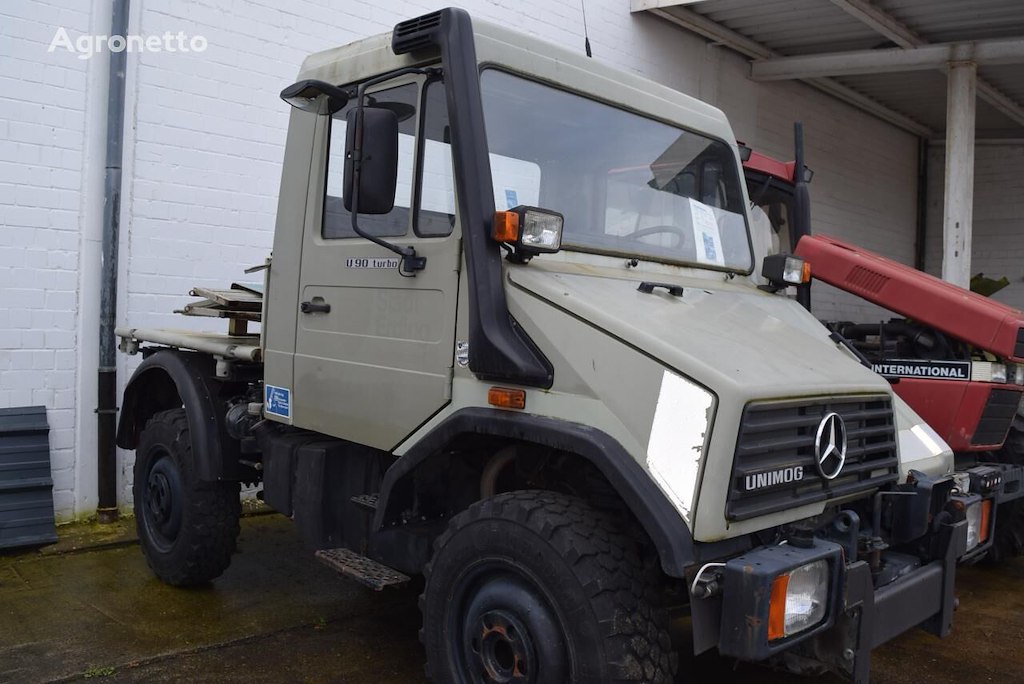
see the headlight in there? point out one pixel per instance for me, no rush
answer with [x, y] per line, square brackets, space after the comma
[530, 229]
[973, 525]
[979, 515]
[784, 269]
[542, 231]
[990, 371]
[776, 596]
[998, 372]
[1018, 374]
[799, 600]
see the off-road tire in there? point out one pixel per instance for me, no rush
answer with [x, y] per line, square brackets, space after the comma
[1009, 532]
[562, 570]
[188, 529]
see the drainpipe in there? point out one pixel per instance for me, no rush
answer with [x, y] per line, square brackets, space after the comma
[921, 236]
[106, 411]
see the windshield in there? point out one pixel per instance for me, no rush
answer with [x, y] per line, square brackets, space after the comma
[625, 184]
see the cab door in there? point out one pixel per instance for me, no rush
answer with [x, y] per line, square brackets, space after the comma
[374, 346]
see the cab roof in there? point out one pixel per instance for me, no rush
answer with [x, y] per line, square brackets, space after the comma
[526, 55]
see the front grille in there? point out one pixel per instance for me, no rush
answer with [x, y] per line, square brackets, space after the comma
[776, 441]
[1018, 349]
[995, 421]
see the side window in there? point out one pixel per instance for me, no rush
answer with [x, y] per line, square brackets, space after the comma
[338, 222]
[436, 216]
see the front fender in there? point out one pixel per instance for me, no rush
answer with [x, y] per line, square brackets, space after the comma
[170, 379]
[656, 514]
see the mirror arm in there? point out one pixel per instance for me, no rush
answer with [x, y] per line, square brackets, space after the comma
[410, 262]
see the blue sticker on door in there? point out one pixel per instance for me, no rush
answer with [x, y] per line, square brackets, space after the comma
[279, 401]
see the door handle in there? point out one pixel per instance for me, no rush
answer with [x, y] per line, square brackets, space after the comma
[316, 306]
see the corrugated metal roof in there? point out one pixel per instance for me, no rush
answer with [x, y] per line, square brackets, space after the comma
[791, 27]
[26, 489]
[808, 27]
[1009, 78]
[921, 95]
[947, 21]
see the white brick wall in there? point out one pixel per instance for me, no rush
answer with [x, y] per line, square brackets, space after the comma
[204, 139]
[998, 216]
[42, 133]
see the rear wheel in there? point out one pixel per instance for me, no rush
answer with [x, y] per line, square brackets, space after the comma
[187, 528]
[535, 586]
[1009, 532]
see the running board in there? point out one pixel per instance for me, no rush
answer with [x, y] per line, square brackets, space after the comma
[367, 502]
[366, 571]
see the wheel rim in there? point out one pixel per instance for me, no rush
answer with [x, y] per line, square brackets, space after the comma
[504, 629]
[163, 496]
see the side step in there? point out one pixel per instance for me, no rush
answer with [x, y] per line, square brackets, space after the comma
[366, 571]
[366, 501]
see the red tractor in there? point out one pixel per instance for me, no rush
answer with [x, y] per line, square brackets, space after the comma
[956, 357]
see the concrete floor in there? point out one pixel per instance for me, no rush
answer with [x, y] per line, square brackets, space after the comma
[278, 615]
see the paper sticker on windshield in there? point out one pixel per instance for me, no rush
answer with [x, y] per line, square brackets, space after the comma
[706, 236]
[515, 182]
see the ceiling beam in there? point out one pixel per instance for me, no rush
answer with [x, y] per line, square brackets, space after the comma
[862, 101]
[858, 62]
[881, 22]
[899, 33]
[719, 34]
[700, 24]
[995, 97]
[641, 5]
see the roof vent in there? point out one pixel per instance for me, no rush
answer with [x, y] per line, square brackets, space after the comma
[416, 34]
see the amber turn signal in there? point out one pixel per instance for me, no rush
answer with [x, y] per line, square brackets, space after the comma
[777, 608]
[506, 226]
[506, 397]
[986, 520]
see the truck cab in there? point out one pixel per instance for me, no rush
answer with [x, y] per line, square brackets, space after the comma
[512, 341]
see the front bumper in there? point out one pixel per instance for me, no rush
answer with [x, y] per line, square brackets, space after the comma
[859, 615]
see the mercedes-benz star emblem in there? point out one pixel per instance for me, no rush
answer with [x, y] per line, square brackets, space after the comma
[830, 446]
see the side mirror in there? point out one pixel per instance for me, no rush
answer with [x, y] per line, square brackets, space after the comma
[315, 96]
[371, 152]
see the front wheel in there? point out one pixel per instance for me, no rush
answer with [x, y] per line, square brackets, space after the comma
[187, 528]
[534, 586]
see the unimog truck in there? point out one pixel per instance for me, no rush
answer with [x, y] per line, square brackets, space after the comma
[510, 341]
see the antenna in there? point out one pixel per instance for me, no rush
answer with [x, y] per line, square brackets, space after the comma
[586, 36]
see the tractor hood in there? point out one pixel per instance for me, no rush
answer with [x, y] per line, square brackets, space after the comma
[729, 338]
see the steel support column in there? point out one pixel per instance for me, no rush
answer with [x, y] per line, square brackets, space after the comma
[958, 202]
